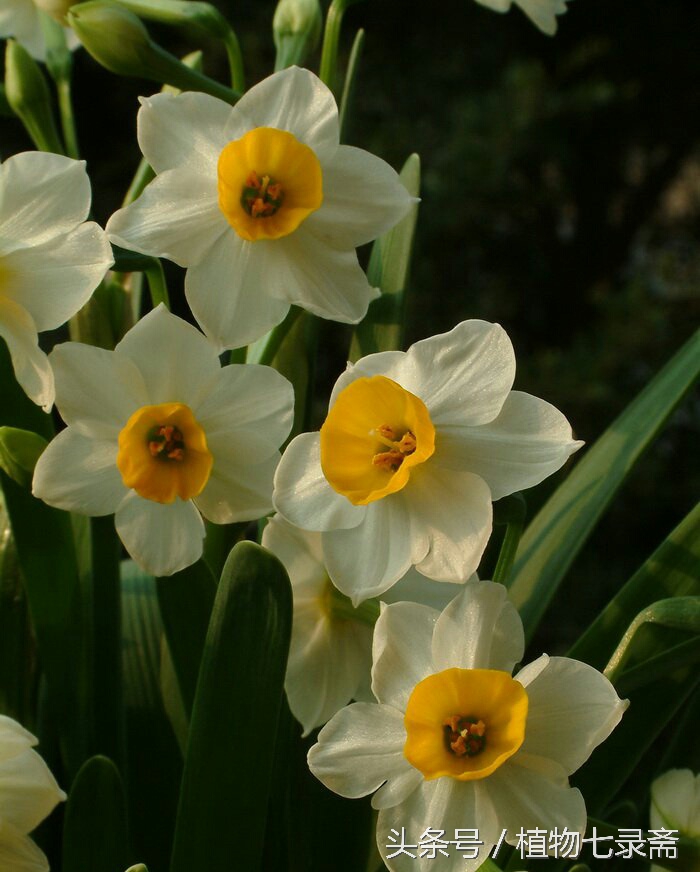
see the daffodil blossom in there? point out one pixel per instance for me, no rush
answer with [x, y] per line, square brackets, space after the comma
[330, 654]
[51, 258]
[675, 804]
[542, 13]
[21, 19]
[415, 447]
[158, 432]
[454, 741]
[261, 203]
[28, 794]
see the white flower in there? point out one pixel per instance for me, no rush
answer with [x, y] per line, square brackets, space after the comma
[542, 13]
[454, 742]
[28, 794]
[331, 647]
[51, 258]
[158, 432]
[675, 803]
[21, 19]
[261, 203]
[414, 448]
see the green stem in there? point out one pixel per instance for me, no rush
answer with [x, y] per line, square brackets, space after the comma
[509, 549]
[350, 78]
[108, 702]
[65, 105]
[342, 608]
[331, 37]
[264, 351]
[143, 175]
[157, 284]
[235, 60]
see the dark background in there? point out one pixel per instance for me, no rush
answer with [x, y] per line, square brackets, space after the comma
[561, 197]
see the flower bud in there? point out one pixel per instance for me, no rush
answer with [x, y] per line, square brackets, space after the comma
[296, 28]
[19, 452]
[28, 96]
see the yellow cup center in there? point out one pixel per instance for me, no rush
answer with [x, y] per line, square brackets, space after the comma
[374, 435]
[464, 723]
[163, 453]
[268, 183]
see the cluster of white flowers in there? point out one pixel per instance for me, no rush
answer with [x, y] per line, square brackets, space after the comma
[392, 498]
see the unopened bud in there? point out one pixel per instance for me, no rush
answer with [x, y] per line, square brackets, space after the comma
[28, 96]
[296, 28]
[19, 452]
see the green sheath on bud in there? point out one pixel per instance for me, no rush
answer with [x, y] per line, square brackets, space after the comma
[296, 28]
[139, 867]
[19, 452]
[28, 96]
[118, 40]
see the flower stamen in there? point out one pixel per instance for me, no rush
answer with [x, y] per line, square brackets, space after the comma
[166, 442]
[261, 197]
[465, 736]
[399, 449]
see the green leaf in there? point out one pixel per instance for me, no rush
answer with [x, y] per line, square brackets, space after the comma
[228, 768]
[154, 761]
[672, 570]
[186, 600]
[382, 327]
[347, 98]
[19, 452]
[560, 529]
[95, 832]
[678, 613]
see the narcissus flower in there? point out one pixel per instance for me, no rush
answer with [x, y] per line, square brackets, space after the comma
[415, 446]
[28, 794]
[331, 648]
[51, 258]
[21, 19]
[454, 741]
[542, 13]
[158, 432]
[675, 804]
[261, 203]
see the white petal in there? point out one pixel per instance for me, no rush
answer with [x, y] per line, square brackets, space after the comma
[533, 797]
[177, 216]
[319, 277]
[359, 749]
[18, 853]
[528, 440]
[20, 19]
[453, 509]
[162, 539]
[176, 361]
[416, 588]
[28, 791]
[496, 5]
[42, 196]
[79, 474]
[542, 13]
[675, 802]
[302, 494]
[247, 413]
[443, 804]
[328, 659]
[401, 651]
[463, 376]
[367, 559]
[14, 739]
[55, 279]
[572, 709]
[480, 629]
[302, 555]
[237, 491]
[31, 365]
[97, 390]
[388, 363]
[183, 130]
[363, 197]
[295, 100]
[228, 292]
